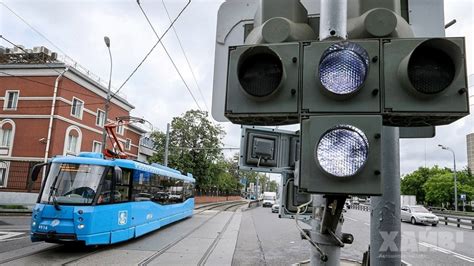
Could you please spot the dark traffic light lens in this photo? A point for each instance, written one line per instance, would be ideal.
(430, 70)
(342, 150)
(260, 71)
(343, 68)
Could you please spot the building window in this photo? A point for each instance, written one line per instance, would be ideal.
(3, 173)
(100, 120)
(72, 141)
(128, 144)
(120, 130)
(5, 136)
(96, 146)
(11, 100)
(77, 108)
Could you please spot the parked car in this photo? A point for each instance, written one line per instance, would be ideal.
(418, 214)
(276, 207)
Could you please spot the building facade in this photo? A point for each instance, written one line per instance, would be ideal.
(470, 151)
(50, 110)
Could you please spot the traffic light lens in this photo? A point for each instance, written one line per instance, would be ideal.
(343, 68)
(430, 70)
(260, 71)
(342, 150)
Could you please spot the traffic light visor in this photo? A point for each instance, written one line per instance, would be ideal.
(343, 68)
(342, 151)
(260, 72)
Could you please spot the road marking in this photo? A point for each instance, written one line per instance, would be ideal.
(11, 239)
(445, 251)
(463, 258)
(352, 219)
(6, 235)
(406, 263)
(367, 224)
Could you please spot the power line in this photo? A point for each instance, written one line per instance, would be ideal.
(186, 57)
(153, 48)
(169, 56)
(33, 28)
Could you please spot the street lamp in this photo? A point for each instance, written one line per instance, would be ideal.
(107, 100)
(455, 180)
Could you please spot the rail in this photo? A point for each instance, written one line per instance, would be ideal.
(360, 207)
(457, 221)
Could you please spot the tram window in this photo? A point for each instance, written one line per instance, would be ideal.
(105, 195)
(122, 187)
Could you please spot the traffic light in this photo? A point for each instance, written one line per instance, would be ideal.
(262, 84)
(341, 155)
(425, 81)
(341, 77)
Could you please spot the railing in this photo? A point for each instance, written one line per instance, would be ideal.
(458, 221)
(360, 207)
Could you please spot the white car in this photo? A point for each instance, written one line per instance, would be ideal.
(276, 207)
(418, 214)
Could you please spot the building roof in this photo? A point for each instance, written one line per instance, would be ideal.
(53, 66)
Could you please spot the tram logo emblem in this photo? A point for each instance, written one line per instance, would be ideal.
(55, 222)
(122, 217)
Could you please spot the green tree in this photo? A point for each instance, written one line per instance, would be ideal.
(194, 146)
(412, 184)
(439, 189)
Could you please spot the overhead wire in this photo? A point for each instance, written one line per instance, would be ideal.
(151, 50)
(186, 57)
(169, 56)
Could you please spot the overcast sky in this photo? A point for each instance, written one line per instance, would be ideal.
(78, 27)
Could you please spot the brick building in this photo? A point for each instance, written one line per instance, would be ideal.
(76, 124)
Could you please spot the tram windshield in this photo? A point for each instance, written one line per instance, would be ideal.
(72, 183)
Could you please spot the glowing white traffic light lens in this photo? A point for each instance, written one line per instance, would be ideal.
(342, 150)
(343, 68)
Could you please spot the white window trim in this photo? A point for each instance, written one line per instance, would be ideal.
(11, 122)
(72, 107)
(6, 166)
(122, 132)
(97, 116)
(5, 100)
(93, 144)
(128, 147)
(79, 140)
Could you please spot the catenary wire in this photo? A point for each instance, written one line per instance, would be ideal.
(169, 56)
(151, 50)
(186, 57)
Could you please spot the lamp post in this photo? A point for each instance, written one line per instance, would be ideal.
(107, 100)
(455, 179)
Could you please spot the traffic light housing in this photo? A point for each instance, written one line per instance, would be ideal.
(341, 77)
(425, 81)
(262, 84)
(341, 155)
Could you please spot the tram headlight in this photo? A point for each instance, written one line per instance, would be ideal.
(342, 151)
(80, 226)
(33, 224)
(343, 68)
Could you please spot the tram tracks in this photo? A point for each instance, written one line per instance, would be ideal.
(213, 244)
(62, 253)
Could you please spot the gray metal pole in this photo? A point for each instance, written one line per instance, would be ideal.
(167, 144)
(107, 100)
(385, 227)
(455, 182)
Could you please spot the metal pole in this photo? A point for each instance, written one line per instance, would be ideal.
(385, 227)
(167, 144)
(107, 100)
(455, 182)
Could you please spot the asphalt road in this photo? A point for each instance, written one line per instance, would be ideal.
(264, 239)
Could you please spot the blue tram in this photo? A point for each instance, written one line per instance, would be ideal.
(89, 199)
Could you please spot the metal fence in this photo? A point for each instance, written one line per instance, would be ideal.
(360, 207)
(458, 221)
